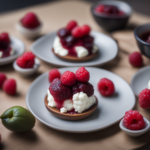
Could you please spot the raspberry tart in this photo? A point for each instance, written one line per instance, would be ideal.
(5, 48)
(74, 43)
(71, 97)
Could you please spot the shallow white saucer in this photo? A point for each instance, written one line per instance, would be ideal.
(108, 50)
(19, 49)
(140, 80)
(27, 72)
(110, 109)
(135, 133)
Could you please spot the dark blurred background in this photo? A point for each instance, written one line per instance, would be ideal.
(141, 6)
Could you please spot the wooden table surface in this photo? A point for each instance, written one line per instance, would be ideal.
(54, 16)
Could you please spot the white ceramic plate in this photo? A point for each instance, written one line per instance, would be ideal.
(109, 111)
(108, 50)
(19, 49)
(140, 80)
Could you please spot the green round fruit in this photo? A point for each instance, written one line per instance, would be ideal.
(18, 119)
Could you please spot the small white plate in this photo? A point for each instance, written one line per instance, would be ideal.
(140, 80)
(29, 71)
(19, 49)
(108, 50)
(110, 109)
(135, 133)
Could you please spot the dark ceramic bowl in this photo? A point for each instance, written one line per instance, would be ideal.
(143, 46)
(112, 22)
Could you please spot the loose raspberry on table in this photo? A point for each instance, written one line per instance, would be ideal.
(133, 120)
(10, 86)
(82, 75)
(144, 98)
(106, 87)
(68, 78)
(53, 74)
(72, 24)
(85, 30)
(2, 79)
(30, 21)
(84, 87)
(59, 91)
(77, 32)
(135, 59)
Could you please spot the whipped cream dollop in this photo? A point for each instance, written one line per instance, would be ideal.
(11, 53)
(80, 102)
(81, 51)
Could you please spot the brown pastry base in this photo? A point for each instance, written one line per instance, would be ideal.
(67, 116)
(76, 59)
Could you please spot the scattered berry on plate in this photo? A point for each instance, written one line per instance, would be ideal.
(72, 24)
(59, 91)
(30, 21)
(84, 87)
(26, 60)
(82, 75)
(2, 79)
(135, 59)
(53, 74)
(10, 86)
(144, 98)
(106, 87)
(68, 78)
(133, 120)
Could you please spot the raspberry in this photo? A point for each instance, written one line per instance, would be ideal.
(85, 30)
(30, 63)
(9, 86)
(106, 87)
(144, 98)
(4, 37)
(53, 74)
(133, 120)
(71, 25)
(82, 75)
(135, 59)
(2, 79)
(100, 8)
(59, 91)
(68, 78)
(77, 32)
(21, 62)
(84, 87)
(28, 56)
(30, 21)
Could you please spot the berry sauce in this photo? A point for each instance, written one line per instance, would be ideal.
(69, 42)
(109, 10)
(6, 52)
(146, 36)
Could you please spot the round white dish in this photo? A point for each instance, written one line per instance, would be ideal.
(19, 49)
(29, 71)
(135, 133)
(109, 111)
(108, 50)
(29, 33)
(140, 80)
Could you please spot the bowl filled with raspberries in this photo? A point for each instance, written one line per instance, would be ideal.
(111, 15)
(84, 99)
(29, 26)
(134, 124)
(26, 64)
